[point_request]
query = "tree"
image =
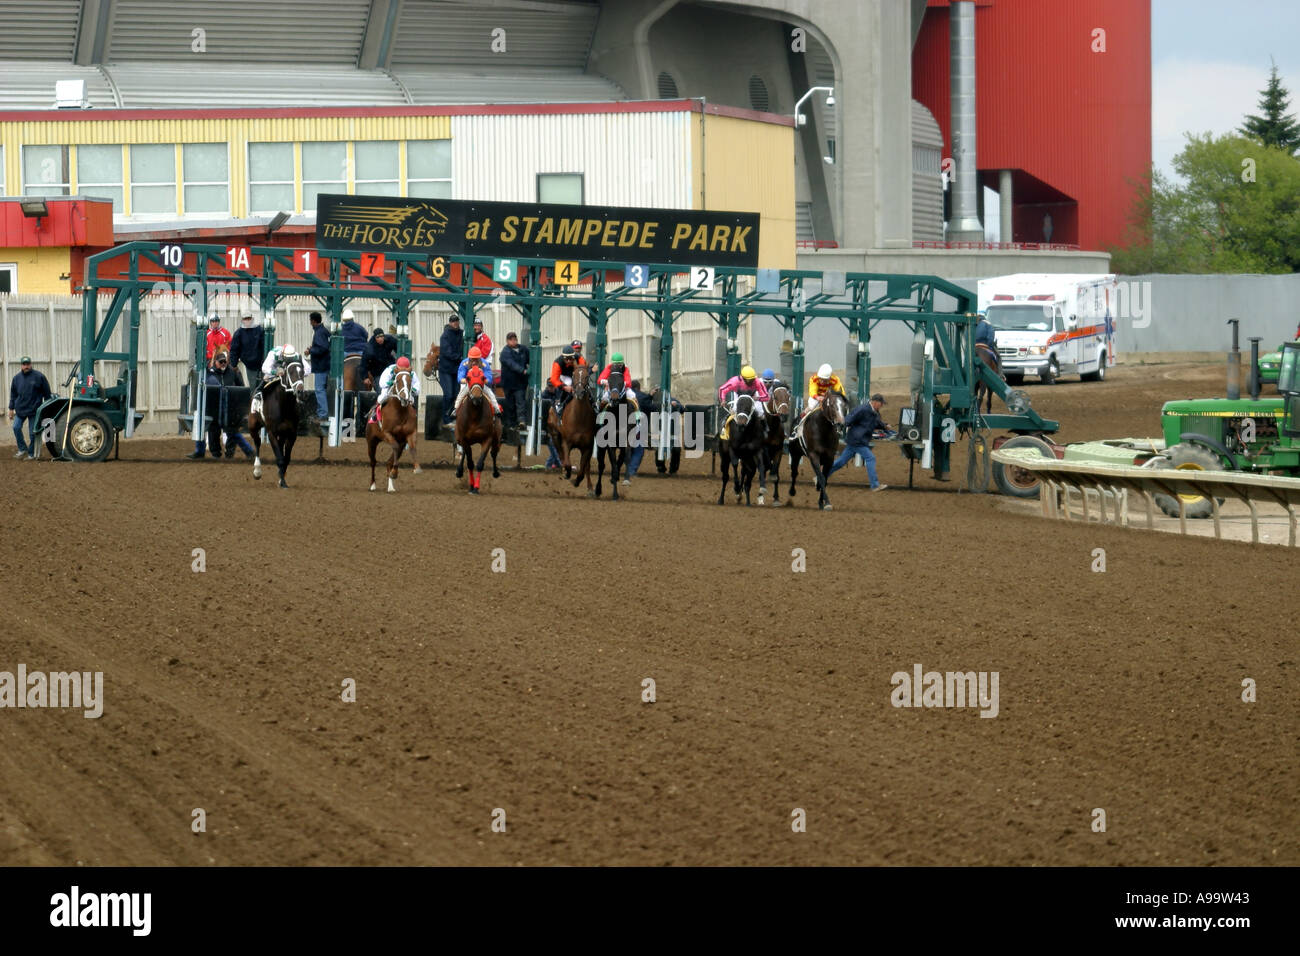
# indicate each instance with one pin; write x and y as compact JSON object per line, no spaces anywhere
{"x":1276,"y":127}
{"x":1238,"y":210}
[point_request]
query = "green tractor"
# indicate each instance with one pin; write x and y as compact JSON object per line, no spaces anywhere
{"x":1258,"y":435}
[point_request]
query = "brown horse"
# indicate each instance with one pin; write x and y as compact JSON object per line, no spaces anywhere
{"x":396,"y":426}
{"x":476,"y":424}
{"x":991,"y":360}
{"x":277,"y":411}
{"x":817,"y":438}
{"x":776,"y":407}
{"x":431,"y":359}
{"x":577,"y":429}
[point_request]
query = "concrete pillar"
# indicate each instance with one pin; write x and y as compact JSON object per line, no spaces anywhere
{"x":1004,"y":205}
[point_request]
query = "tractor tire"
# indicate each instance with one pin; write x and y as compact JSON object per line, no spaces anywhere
{"x":1186,"y":457}
{"x":1052,"y":373}
{"x":1018,"y":482}
{"x":1100,"y":374}
{"x":90,"y":435}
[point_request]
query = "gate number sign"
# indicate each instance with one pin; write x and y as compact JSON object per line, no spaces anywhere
{"x":304,"y":260}
{"x":373,"y":263}
{"x":238,"y":257}
{"x":636,"y":276}
{"x":566,"y":271}
{"x":171,"y":254}
{"x":701,"y":277}
{"x":505,"y":270}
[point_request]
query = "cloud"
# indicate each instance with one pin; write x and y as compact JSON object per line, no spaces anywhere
{"x":1199,"y":96}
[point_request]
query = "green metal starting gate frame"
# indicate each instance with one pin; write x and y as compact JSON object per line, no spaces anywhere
{"x":945,"y":369}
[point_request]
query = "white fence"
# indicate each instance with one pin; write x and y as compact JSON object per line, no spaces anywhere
{"x":48,"y":328}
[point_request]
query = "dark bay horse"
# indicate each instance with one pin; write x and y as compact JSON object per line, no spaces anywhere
{"x":396,"y":426}
{"x":777,"y":408}
{"x":991,"y":359}
{"x":615,"y":429}
{"x":817,"y":438}
{"x":746,"y":447}
{"x":577,"y":429}
{"x":476,"y":424}
{"x":278,"y":414}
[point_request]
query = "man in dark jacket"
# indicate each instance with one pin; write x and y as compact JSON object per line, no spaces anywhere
{"x":674,"y":461}
{"x":451,"y":345}
{"x":861,"y":424}
{"x":641,"y":435}
{"x":222,"y":374}
{"x":248,"y":345}
{"x":380,"y":352}
{"x":28,"y":389}
{"x":514,"y":380}
{"x":319,"y":351}
{"x":354,"y":344}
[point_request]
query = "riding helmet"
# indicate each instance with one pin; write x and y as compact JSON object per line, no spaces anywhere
{"x":825,"y":371}
{"x":747,"y":373}
{"x":475,"y":353}
{"x":616,"y":357}
{"x":769,"y":375}
{"x":288,"y":351}
{"x":403,"y":362}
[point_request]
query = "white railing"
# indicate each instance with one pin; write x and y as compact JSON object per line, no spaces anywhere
{"x":1114,"y":482}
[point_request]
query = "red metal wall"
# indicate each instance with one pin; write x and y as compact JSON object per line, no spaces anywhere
{"x":71,"y":222}
{"x":1074,"y":124}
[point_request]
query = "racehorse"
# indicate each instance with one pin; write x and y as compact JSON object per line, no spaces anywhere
{"x":817,"y":438}
{"x":577,"y":429}
{"x":476,"y":424}
{"x":431,"y":359}
{"x":991,"y":359}
{"x":614,"y":434}
{"x":777,"y":407}
{"x":278,"y":413}
{"x":396,"y":426}
{"x":746,"y":445}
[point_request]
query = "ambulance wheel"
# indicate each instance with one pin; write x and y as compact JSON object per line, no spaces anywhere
{"x":1020,"y":482}
{"x":1051,"y":373}
{"x":1100,"y":374}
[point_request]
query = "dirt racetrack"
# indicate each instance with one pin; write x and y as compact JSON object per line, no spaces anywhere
{"x":522,"y":690}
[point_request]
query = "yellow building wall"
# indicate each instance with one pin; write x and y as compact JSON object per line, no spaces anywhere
{"x":39,"y":269}
{"x":748,"y":166}
{"x":237,"y":132}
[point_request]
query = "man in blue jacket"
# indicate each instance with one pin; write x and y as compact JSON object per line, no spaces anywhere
{"x":28,"y":389}
{"x":452,"y":352}
{"x":222,"y":374}
{"x":319,"y":352}
{"x":248,"y":345}
{"x":379,"y":354}
{"x":861,"y":424}
{"x":514,"y":380}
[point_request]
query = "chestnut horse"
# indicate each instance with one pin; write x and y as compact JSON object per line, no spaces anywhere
{"x":396,"y":426}
{"x":431,"y":360}
{"x":577,"y":429}
{"x":476,"y":424}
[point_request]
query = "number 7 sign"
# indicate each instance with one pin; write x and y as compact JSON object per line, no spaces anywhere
{"x":373,"y":264}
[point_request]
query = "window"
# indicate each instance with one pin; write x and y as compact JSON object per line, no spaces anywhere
{"x":428,"y":168}
{"x":45,"y":171}
{"x":99,"y":174}
{"x":376,"y":168}
{"x":560,"y":187}
{"x":206,"y":171}
{"x":324,"y":170}
{"x":270,"y":177}
{"x":153,"y":180}
{"x":8,"y":277}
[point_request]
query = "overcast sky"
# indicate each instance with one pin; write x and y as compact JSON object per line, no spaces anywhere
{"x":1209,"y":61}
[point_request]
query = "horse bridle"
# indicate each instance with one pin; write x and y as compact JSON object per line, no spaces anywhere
{"x":782,"y":409}
{"x":742,"y":418}
{"x":282,"y":376}
{"x":403,"y":391}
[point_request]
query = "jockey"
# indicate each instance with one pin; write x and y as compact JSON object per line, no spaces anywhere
{"x":746,"y":383}
{"x":771,"y":382}
{"x":474,"y":361}
{"x":984,"y":334}
{"x":821,"y":384}
{"x":559,"y":387}
{"x":616,"y":365}
{"x":278,"y":358}
{"x":389,"y":376}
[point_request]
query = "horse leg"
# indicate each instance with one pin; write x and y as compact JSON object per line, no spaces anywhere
{"x":726,"y":472}
{"x":394,"y":452}
{"x":776,"y":476}
{"x":762,"y":475}
{"x":415,"y":460}
{"x":460,"y":465}
{"x":821,"y":471}
{"x":482,"y":459}
{"x":372,"y":442}
{"x":255,"y":433}
{"x":618,"y":458}
{"x":600,"y":468}
{"x":794,"y":470}
{"x":496,"y":447}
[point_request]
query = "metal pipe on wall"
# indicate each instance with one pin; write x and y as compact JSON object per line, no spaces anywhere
{"x":965,"y":225}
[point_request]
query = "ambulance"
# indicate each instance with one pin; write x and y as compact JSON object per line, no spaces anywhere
{"x":1051,"y":325}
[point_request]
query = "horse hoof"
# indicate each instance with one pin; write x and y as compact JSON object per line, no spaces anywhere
{"x":416,"y":470}
{"x":591,"y":494}
{"x":761,"y":501}
{"x":372,"y":486}
{"x":473,"y":491}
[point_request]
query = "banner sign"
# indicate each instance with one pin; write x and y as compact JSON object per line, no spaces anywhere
{"x":505,"y":230}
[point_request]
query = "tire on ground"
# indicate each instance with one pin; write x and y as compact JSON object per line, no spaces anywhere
{"x":91,"y":437}
{"x":1186,"y":457}
{"x":1019,"y":482}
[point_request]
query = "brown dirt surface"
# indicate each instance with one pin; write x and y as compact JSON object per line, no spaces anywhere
{"x":522,"y":690}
